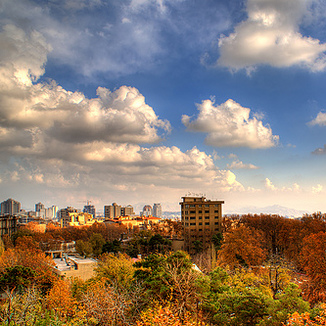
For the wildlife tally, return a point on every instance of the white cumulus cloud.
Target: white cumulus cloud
(271, 36)
(320, 120)
(237, 164)
(229, 124)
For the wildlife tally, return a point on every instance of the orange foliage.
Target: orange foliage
(314, 261)
(242, 245)
(305, 320)
(60, 298)
(31, 257)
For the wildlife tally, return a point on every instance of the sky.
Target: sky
(145, 101)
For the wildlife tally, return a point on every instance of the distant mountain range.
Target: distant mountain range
(274, 209)
(171, 215)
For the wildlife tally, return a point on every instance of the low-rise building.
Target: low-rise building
(70, 266)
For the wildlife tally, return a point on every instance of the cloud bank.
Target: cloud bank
(229, 124)
(61, 139)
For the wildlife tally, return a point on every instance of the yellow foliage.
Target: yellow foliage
(117, 269)
(165, 316)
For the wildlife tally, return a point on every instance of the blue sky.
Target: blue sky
(144, 101)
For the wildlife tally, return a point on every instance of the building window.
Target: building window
(216, 217)
(206, 217)
(200, 223)
(187, 206)
(206, 205)
(192, 223)
(192, 212)
(199, 212)
(206, 223)
(200, 229)
(192, 206)
(216, 223)
(199, 205)
(192, 217)
(206, 212)
(216, 211)
(200, 217)
(186, 212)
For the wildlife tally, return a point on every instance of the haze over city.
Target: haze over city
(144, 101)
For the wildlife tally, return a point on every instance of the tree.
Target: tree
(236, 299)
(285, 303)
(97, 241)
(60, 298)
(217, 240)
(171, 278)
(197, 246)
(165, 316)
(313, 260)
(114, 246)
(32, 258)
(305, 319)
(242, 246)
(16, 278)
(115, 269)
(84, 248)
(109, 305)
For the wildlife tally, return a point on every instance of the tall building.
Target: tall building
(45, 213)
(112, 211)
(10, 207)
(127, 211)
(39, 207)
(8, 225)
(147, 211)
(157, 210)
(64, 216)
(90, 209)
(201, 219)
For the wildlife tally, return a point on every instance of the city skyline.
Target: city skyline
(144, 101)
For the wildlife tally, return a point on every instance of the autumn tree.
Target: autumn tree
(165, 316)
(109, 305)
(313, 260)
(60, 298)
(307, 319)
(27, 256)
(243, 246)
(115, 269)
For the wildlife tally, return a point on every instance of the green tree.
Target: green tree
(217, 240)
(171, 278)
(97, 241)
(84, 248)
(16, 278)
(285, 303)
(114, 246)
